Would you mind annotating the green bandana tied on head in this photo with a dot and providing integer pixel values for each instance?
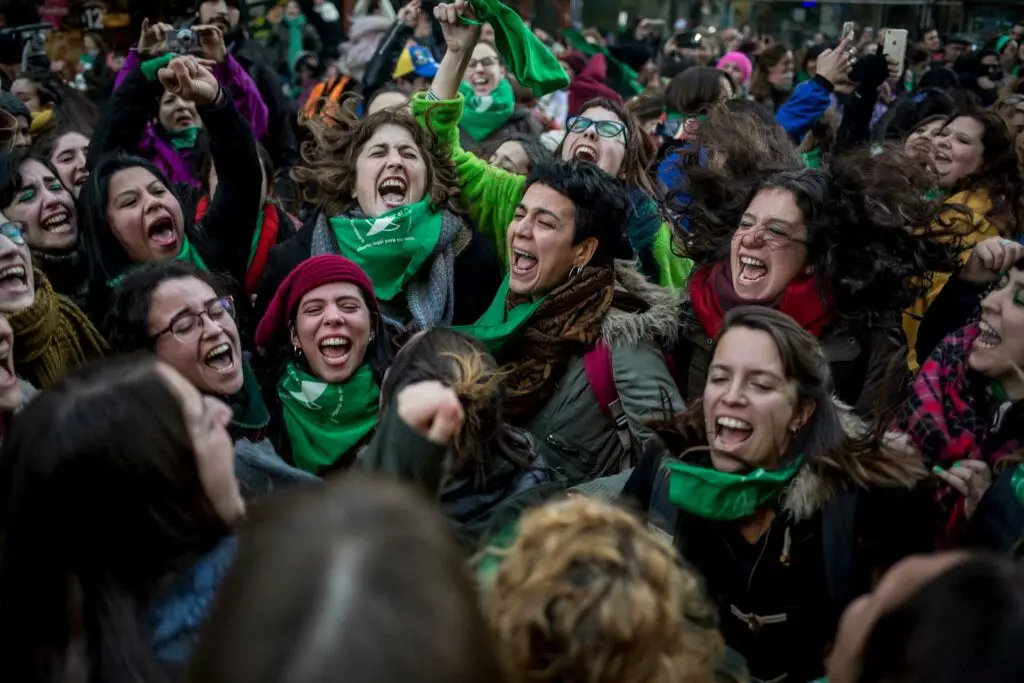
(498, 326)
(724, 496)
(188, 254)
(485, 114)
(184, 138)
(392, 247)
(324, 421)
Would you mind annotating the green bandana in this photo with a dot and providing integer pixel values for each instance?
(723, 496)
(812, 159)
(184, 138)
(296, 29)
(324, 421)
(496, 327)
(248, 411)
(527, 57)
(485, 114)
(618, 73)
(187, 254)
(392, 247)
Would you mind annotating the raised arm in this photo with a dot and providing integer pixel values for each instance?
(234, 79)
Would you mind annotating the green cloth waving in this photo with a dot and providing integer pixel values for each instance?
(618, 72)
(392, 247)
(527, 57)
(498, 326)
(325, 421)
(485, 114)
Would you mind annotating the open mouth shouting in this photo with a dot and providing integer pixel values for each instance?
(58, 222)
(524, 263)
(335, 349)
(221, 359)
(480, 81)
(14, 279)
(162, 232)
(584, 151)
(730, 433)
(393, 191)
(184, 119)
(752, 270)
(988, 337)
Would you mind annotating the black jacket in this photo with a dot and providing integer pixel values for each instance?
(955, 306)
(281, 139)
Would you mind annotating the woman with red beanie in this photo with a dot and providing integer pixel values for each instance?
(325, 348)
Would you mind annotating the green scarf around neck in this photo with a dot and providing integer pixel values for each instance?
(187, 254)
(184, 138)
(296, 29)
(248, 410)
(392, 247)
(485, 114)
(724, 496)
(499, 326)
(325, 421)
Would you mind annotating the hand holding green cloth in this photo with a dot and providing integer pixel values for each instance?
(498, 326)
(485, 114)
(392, 247)
(325, 421)
(618, 72)
(187, 254)
(526, 56)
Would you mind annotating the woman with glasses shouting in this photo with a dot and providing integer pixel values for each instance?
(806, 243)
(604, 133)
(181, 313)
(52, 335)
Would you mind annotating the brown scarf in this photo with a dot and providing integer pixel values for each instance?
(52, 336)
(564, 326)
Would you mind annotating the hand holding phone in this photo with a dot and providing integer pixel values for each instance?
(894, 46)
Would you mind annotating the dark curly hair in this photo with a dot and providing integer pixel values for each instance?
(869, 228)
(329, 172)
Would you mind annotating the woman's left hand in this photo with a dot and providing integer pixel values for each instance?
(191, 79)
(211, 40)
(432, 409)
(972, 478)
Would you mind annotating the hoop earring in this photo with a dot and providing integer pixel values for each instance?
(297, 352)
(575, 270)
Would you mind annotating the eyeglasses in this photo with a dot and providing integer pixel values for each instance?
(486, 62)
(1012, 101)
(606, 129)
(189, 325)
(14, 231)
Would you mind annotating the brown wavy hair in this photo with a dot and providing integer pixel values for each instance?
(329, 171)
(588, 594)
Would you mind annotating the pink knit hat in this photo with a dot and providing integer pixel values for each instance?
(738, 59)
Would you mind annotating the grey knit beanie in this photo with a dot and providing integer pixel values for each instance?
(13, 106)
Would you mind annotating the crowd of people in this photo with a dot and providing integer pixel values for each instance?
(452, 350)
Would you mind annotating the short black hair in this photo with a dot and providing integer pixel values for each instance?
(600, 203)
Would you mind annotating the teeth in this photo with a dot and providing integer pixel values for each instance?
(57, 219)
(218, 351)
(733, 423)
(392, 185)
(586, 150)
(748, 261)
(12, 271)
(523, 254)
(335, 341)
(5, 350)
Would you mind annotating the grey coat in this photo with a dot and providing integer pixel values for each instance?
(573, 434)
(261, 471)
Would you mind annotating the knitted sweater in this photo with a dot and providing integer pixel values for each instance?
(491, 196)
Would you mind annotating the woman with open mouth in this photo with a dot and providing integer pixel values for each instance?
(53, 335)
(773, 243)
(965, 413)
(31, 192)
(974, 158)
(386, 199)
(14, 391)
(604, 133)
(324, 351)
(135, 509)
(185, 317)
(779, 496)
(130, 212)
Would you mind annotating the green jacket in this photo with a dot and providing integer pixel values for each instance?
(491, 194)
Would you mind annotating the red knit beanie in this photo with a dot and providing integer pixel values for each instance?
(307, 276)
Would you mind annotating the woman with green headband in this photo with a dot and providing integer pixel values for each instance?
(779, 496)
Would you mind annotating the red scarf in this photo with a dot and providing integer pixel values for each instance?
(712, 296)
(266, 241)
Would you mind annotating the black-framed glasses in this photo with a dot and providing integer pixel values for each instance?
(14, 231)
(1012, 101)
(187, 326)
(485, 62)
(606, 129)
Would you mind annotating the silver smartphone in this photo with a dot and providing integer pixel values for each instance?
(894, 44)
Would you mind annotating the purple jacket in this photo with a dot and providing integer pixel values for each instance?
(178, 164)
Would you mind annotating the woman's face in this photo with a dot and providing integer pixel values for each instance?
(1000, 346)
(607, 153)
(144, 215)
(726, 89)
(920, 141)
(388, 100)
(540, 248)
(511, 157)
(735, 74)
(484, 72)
(196, 335)
(10, 388)
(332, 328)
(959, 151)
(26, 91)
(17, 281)
(751, 409)
(42, 204)
(768, 249)
(899, 584)
(781, 75)
(390, 171)
(68, 156)
(206, 420)
(176, 114)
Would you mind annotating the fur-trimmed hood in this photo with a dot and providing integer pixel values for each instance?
(814, 487)
(658, 323)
